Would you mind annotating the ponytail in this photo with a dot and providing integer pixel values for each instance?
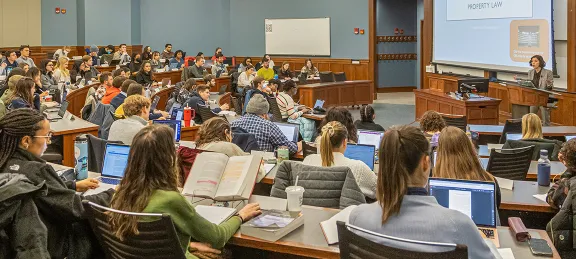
(405, 146)
(333, 134)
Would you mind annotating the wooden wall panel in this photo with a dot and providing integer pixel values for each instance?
(571, 45)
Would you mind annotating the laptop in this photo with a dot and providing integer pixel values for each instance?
(319, 104)
(369, 137)
(114, 62)
(60, 114)
(290, 130)
(173, 66)
(361, 152)
(177, 114)
(176, 125)
(513, 136)
(476, 199)
(115, 161)
(569, 138)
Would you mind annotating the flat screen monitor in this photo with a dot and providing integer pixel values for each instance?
(476, 199)
(115, 160)
(176, 125)
(290, 130)
(364, 153)
(481, 84)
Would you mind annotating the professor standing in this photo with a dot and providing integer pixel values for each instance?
(543, 79)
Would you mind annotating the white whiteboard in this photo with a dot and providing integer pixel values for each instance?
(309, 37)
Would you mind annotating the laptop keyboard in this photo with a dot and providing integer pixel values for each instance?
(488, 232)
(110, 181)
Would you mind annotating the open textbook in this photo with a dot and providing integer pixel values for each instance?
(222, 178)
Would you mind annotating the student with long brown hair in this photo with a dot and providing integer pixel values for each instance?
(333, 142)
(457, 159)
(24, 96)
(343, 116)
(215, 135)
(150, 185)
(404, 208)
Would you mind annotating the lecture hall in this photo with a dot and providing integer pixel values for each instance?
(393, 129)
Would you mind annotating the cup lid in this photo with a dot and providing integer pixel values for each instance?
(294, 189)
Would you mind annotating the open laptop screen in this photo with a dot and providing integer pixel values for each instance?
(319, 103)
(475, 199)
(513, 136)
(176, 125)
(364, 153)
(569, 137)
(367, 137)
(115, 160)
(289, 130)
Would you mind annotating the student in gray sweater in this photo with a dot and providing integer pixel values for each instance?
(404, 209)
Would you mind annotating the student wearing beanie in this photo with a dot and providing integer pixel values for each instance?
(255, 121)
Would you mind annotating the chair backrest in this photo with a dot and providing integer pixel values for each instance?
(96, 149)
(277, 115)
(511, 164)
(205, 112)
(326, 77)
(308, 149)
(552, 147)
(237, 104)
(164, 94)
(458, 121)
(512, 126)
(226, 98)
(246, 141)
(340, 77)
(328, 187)
(156, 239)
(353, 245)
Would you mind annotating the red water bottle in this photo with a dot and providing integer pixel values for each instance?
(188, 116)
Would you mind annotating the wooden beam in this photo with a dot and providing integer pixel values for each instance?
(373, 66)
(571, 46)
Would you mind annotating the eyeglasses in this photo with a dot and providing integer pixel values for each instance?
(47, 137)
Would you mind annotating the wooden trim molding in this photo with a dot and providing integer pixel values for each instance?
(373, 59)
(396, 89)
(571, 45)
(427, 37)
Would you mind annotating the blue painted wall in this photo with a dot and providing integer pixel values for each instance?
(108, 22)
(247, 24)
(190, 25)
(59, 29)
(391, 14)
(136, 26)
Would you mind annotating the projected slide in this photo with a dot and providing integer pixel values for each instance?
(500, 35)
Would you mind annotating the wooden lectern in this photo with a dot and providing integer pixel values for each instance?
(522, 98)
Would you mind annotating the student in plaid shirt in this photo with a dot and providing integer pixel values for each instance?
(268, 135)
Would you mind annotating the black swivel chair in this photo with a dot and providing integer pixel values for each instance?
(237, 105)
(511, 126)
(96, 149)
(326, 77)
(275, 109)
(340, 77)
(308, 149)
(156, 239)
(205, 113)
(353, 245)
(511, 164)
(458, 121)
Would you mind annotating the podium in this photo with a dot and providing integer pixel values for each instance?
(522, 98)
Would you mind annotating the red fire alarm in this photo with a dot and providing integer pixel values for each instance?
(396, 31)
(362, 31)
(402, 31)
(57, 10)
(356, 30)
(63, 11)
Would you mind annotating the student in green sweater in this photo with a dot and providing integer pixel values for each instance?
(150, 185)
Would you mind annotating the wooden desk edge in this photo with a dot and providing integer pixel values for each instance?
(73, 131)
(524, 207)
(285, 247)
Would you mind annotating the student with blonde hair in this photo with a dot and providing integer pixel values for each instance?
(531, 126)
(333, 143)
(404, 208)
(61, 72)
(457, 159)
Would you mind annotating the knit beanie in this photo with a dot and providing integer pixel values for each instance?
(258, 105)
(93, 48)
